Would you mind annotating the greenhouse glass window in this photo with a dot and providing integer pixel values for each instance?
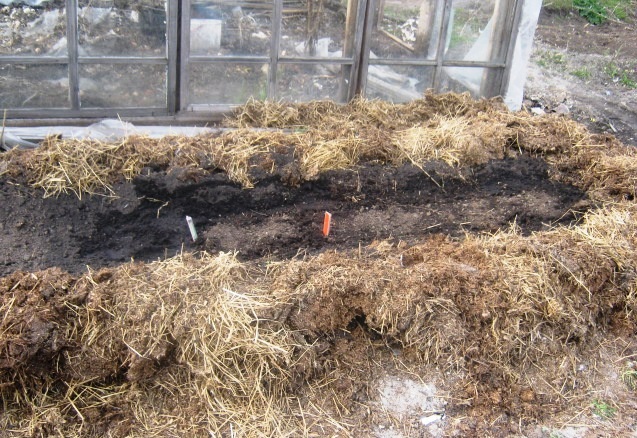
(154, 58)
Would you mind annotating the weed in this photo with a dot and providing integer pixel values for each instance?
(548, 58)
(619, 74)
(629, 377)
(612, 70)
(582, 73)
(603, 409)
(627, 81)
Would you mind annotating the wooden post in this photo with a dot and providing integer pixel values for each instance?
(348, 47)
(426, 20)
(503, 16)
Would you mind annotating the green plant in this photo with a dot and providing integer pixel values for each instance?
(599, 11)
(582, 73)
(603, 409)
(626, 80)
(629, 377)
(592, 10)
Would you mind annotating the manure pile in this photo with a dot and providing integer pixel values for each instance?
(481, 277)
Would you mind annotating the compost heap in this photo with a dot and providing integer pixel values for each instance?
(212, 345)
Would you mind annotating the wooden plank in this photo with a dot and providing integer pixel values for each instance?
(348, 48)
(396, 40)
(503, 15)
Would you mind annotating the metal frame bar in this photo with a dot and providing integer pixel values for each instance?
(172, 42)
(88, 112)
(184, 57)
(73, 53)
(47, 60)
(121, 60)
(433, 63)
(277, 19)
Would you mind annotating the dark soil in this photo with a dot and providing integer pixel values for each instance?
(147, 221)
(569, 30)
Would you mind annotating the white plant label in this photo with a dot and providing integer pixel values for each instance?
(191, 227)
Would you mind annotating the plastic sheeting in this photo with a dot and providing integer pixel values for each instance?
(23, 2)
(107, 130)
(523, 45)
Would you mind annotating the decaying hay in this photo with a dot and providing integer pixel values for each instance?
(207, 346)
(168, 348)
(322, 136)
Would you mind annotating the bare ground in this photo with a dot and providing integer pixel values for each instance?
(590, 69)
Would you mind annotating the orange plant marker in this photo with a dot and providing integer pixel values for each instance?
(327, 224)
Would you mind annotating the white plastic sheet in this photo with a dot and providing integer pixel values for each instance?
(107, 130)
(23, 2)
(523, 45)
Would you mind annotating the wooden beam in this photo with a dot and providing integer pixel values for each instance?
(503, 16)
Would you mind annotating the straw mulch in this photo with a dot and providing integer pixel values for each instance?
(208, 346)
(309, 139)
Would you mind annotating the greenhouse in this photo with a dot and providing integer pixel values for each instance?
(189, 59)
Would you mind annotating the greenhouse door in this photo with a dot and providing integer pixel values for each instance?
(283, 49)
(445, 45)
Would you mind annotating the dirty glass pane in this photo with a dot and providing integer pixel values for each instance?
(461, 79)
(470, 30)
(122, 27)
(122, 86)
(397, 83)
(25, 30)
(303, 82)
(315, 28)
(407, 29)
(227, 28)
(227, 83)
(34, 86)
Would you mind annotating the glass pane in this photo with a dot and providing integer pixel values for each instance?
(122, 86)
(28, 31)
(315, 29)
(470, 30)
(122, 27)
(397, 83)
(303, 82)
(408, 30)
(224, 28)
(34, 86)
(461, 79)
(227, 83)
